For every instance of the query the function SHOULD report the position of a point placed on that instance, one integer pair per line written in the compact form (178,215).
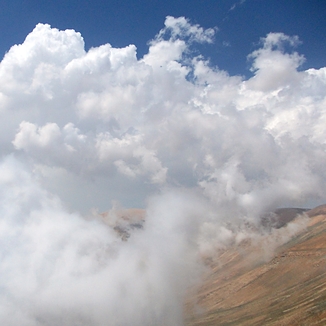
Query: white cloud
(180,27)
(198,147)
(29,135)
(273,68)
(237,4)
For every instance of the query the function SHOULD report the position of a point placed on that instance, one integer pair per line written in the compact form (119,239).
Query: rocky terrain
(245,287)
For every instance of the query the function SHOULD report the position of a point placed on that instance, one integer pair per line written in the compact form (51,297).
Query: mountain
(123,221)
(243,287)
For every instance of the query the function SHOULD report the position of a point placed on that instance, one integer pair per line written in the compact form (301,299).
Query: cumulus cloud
(199,149)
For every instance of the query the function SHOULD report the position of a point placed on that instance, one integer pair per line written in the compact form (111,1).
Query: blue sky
(241,24)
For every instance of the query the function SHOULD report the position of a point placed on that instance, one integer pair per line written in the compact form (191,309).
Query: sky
(241,24)
(206,115)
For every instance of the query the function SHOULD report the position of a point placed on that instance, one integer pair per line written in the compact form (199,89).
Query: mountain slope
(289,289)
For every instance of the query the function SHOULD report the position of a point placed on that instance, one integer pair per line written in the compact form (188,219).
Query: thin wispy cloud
(237,4)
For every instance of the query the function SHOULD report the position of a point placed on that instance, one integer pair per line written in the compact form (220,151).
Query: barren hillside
(288,289)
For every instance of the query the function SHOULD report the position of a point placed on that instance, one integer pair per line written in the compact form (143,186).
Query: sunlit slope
(289,289)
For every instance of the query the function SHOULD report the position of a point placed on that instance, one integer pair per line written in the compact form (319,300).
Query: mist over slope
(203,152)
(288,288)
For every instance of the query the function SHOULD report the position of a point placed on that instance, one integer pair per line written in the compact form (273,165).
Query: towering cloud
(168,132)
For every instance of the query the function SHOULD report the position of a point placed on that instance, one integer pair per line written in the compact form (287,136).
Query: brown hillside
(289,289)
